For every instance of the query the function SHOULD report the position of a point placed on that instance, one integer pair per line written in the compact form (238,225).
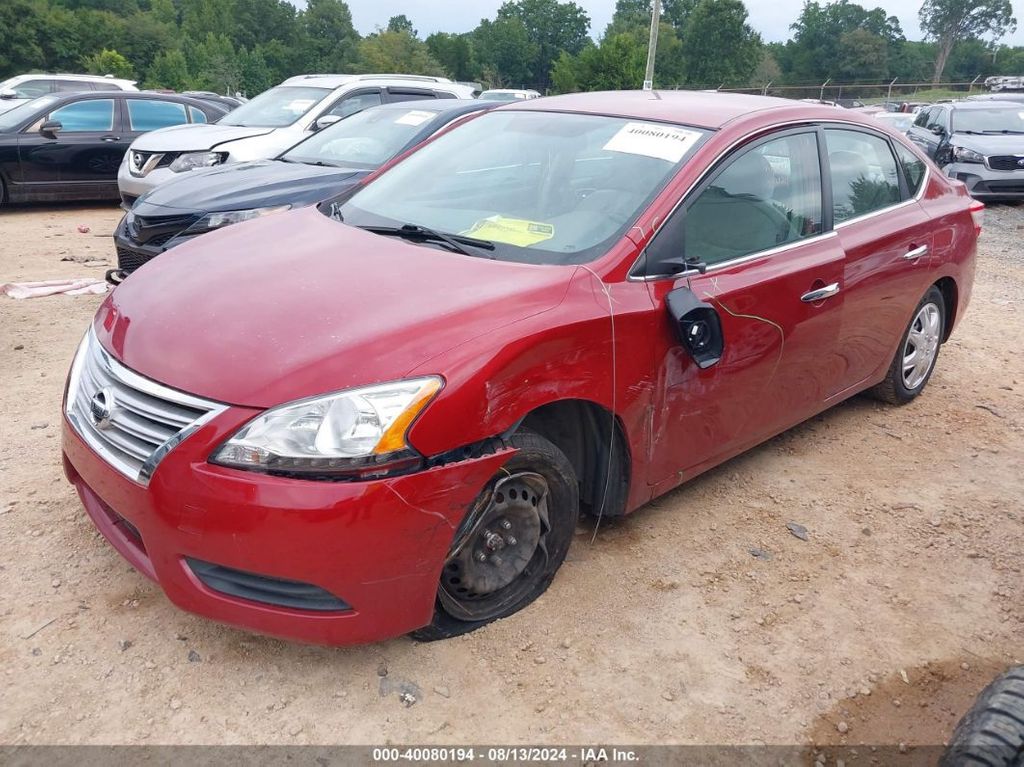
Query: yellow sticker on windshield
(512,231)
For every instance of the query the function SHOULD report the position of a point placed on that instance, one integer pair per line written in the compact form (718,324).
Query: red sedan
(386,415)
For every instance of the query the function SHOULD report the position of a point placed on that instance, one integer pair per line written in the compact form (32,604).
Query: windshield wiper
(417,232)
(1005,130)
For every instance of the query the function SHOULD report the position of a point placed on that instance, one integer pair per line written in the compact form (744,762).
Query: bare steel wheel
(502,553)
(512,541)
(922,345)
(915,358)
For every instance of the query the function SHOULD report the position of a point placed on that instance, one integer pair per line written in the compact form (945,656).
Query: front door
(79,160)
(775,278)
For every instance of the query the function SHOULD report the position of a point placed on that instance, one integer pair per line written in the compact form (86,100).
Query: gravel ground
(880,628)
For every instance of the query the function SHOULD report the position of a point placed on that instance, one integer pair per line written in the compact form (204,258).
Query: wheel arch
(594,440)
(950,296)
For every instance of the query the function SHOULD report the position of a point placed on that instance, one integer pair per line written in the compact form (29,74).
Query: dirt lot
(906,598)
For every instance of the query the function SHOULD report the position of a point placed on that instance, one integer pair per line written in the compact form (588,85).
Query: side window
(921,120)
(942,119)
(73,86)
(934,117)
(356,102)
(766,196)
(864,174)
(409,95)
(197,115)
(31,89)
(145,115)
(86,116)
(913,168)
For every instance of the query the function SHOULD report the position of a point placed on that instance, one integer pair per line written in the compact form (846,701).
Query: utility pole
(652,46)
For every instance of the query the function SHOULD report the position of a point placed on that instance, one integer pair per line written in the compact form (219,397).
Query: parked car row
(384,413)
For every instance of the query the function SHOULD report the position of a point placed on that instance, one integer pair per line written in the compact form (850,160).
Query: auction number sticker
(662,142)
(414,118)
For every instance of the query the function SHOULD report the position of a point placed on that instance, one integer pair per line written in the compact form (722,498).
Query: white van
(270,123)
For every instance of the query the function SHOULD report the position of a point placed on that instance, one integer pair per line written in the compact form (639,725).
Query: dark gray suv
(978,142)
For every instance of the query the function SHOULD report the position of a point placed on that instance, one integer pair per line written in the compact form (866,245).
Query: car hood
(296,304)
(258,184)
(193,138)
(990,144)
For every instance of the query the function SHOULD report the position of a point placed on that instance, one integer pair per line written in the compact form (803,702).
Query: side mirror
(698,326)
(51,128)
(325,121)
(938,130)
(8,94)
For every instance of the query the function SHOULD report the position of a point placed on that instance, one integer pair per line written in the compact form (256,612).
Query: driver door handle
(820,294)
(915,253)
(110,138)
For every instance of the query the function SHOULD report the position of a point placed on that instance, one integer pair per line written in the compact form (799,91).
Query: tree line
(249,45)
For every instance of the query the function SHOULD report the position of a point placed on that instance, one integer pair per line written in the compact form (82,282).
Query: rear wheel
(919,349)
(512,542)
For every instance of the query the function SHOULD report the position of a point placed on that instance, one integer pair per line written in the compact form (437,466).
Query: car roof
(991,104)
(439,106)
(84,78)
(336,81)
(701,109)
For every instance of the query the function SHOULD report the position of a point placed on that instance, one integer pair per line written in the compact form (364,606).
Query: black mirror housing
(51,128)
(698,326)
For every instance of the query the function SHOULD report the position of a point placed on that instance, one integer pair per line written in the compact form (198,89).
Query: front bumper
(377,547)
(986,184)
(132,187)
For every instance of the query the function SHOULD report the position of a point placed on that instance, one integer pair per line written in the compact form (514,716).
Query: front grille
(264,589)
(156,231)
(1006,187)
(1006,162)
(129,260)
(141,163)
(130,421)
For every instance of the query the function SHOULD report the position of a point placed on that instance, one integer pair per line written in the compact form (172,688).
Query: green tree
(168,70)
(214,64)
(552,27)
(397,52)
(456,54)
(950,21)
(256,75)
(108,62)
(862,55)
(617,63)
(330,37)
(22,26)
(814,52)
(506,52)
(401,23)
(720,46)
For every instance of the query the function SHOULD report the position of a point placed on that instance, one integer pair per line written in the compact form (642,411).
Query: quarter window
(86,116)
(146,115)
(767,196)
(197,115)
(864,174)
(913,169)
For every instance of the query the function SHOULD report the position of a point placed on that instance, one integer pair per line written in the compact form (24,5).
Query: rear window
(146,115)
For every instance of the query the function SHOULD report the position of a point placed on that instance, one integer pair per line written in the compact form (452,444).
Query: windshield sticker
(511,231)
(662,142)
(414,118)
(299,106)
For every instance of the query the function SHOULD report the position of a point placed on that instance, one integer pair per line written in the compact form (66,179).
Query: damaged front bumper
(331,563)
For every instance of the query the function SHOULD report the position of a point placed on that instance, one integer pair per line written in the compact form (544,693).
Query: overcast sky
(769,17)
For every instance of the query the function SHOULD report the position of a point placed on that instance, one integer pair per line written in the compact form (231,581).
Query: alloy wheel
(922,346)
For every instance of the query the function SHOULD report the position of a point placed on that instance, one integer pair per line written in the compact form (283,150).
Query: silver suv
(272,122)
(22,88)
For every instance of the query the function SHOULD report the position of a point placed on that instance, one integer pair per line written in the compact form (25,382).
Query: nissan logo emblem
(101,408)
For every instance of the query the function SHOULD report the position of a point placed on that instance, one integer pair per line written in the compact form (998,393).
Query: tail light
(977,215)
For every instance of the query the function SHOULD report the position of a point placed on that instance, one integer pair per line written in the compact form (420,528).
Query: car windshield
(13,118)
(276,108)
(365,140)
(544,188)
(995,120)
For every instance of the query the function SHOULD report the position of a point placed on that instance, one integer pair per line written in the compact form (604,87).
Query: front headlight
(226,218)
(193,160)
(963,154)
(358,432)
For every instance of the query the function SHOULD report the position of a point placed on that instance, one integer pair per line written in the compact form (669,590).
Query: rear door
(887,238)
(82,159)
(774,275)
